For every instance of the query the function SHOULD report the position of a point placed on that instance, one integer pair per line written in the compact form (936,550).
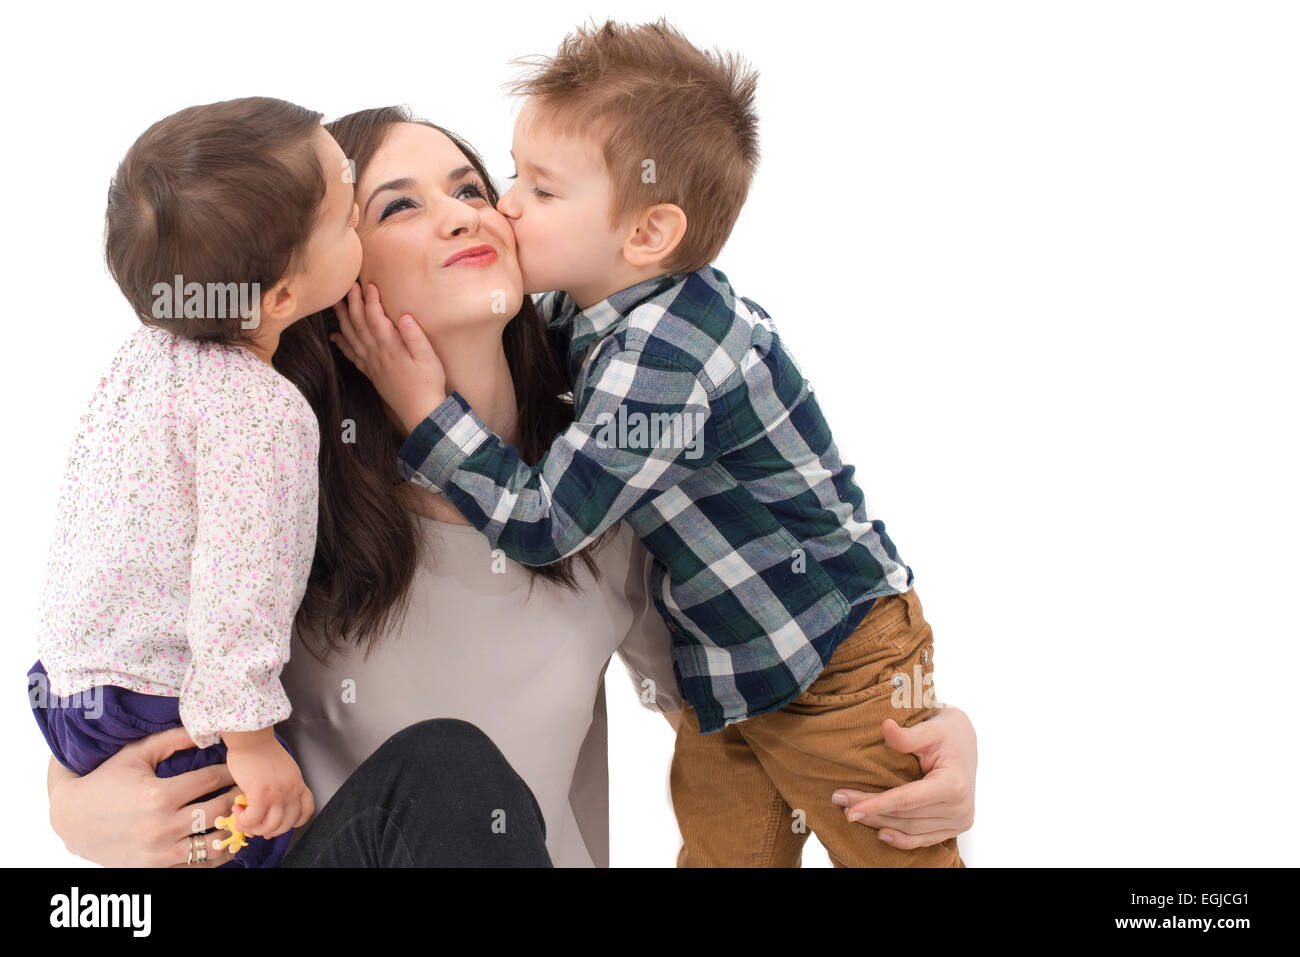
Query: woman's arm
(123,815)
(940,805)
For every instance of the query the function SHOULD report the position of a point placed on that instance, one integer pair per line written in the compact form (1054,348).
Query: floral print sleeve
(256,494)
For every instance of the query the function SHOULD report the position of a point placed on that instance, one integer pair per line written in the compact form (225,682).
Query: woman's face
(422,203)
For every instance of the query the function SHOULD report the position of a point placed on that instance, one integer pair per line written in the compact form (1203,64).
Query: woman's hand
(940,805)
(123,815)
(398,360)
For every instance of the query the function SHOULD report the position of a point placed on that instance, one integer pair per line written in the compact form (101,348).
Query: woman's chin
(467,309)
(500,288)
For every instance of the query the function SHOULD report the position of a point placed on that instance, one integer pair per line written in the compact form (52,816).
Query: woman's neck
(475,367)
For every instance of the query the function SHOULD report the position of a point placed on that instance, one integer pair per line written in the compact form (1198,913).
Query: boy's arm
(594,472)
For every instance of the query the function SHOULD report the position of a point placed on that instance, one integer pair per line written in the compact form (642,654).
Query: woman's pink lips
(479,256)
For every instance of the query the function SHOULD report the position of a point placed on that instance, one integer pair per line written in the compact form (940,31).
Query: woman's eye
(395,206)
(476,191)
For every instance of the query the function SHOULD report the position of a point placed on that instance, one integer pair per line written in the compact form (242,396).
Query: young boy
(795,628)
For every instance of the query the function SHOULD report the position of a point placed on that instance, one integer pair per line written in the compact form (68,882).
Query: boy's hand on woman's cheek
(397,358)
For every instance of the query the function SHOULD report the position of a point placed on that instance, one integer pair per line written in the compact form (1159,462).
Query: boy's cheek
(531,283)
(520,238)
(526,266)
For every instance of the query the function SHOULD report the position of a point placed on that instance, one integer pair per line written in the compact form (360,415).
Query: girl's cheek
(373,252)
(355,254)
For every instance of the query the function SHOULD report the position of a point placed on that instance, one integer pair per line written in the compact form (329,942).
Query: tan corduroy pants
(748,795)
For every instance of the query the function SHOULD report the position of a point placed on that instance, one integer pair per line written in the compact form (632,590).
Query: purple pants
(84,734)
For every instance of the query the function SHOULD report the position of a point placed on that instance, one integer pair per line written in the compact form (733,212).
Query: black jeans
(436,794)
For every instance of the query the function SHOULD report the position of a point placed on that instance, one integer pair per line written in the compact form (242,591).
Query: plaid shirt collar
(601,319)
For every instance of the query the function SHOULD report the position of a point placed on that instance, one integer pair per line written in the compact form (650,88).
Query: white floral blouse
(184,535)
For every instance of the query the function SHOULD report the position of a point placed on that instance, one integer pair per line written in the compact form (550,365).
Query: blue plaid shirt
(694,424)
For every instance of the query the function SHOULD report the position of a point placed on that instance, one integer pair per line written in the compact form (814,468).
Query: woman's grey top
(528,671)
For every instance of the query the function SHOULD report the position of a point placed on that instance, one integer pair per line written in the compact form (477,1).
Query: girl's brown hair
(221,194)
(368,544)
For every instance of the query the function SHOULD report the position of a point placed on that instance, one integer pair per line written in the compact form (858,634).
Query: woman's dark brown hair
(368,544)
(221,195)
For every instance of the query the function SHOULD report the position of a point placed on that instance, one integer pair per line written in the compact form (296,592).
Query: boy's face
(559,208)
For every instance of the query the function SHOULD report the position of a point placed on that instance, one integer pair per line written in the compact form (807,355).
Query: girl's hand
(278,799)
(400,361)
(940,805)
(123,815)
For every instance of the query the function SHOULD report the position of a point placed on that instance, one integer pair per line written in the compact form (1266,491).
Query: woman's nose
(457,218)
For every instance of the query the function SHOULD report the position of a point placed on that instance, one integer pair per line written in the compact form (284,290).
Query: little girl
(186,523)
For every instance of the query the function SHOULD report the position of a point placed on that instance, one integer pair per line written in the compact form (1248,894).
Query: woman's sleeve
(646,651)
(256,487)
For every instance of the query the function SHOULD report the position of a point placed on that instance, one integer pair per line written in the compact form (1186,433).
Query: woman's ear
(655,234)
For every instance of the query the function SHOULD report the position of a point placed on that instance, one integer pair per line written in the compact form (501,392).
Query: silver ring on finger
(198,849)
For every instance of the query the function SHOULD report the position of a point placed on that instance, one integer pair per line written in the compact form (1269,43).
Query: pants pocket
(890,654)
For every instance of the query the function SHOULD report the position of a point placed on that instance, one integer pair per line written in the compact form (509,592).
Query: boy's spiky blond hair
(646,94)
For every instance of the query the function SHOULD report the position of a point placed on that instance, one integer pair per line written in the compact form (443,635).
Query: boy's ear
(655,234)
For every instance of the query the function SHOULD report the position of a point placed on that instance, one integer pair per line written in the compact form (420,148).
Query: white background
(1038,259)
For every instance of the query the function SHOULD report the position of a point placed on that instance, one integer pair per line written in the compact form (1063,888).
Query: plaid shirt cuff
(447,436)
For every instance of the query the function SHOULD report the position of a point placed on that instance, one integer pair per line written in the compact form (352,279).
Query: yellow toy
(236,839)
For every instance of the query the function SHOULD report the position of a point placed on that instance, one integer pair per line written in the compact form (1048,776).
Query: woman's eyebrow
(404,182)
